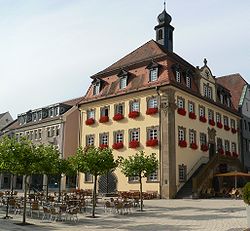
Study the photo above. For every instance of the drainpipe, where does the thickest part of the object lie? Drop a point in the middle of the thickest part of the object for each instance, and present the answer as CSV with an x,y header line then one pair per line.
x,y
160,153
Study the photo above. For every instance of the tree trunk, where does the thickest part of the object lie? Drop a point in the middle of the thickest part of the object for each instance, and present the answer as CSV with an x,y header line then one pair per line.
x,y
59,189
141,203
25,199
47,188
94,196
12,184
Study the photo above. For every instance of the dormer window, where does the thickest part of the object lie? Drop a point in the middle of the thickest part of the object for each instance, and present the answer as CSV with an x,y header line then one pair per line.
x,y
96,87
123,82
39,115
56,111
207,91
153,74
51,112
188,81
34,116
178,76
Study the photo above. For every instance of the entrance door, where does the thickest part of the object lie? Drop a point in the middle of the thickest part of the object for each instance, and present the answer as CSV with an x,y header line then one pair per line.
x,y
107,184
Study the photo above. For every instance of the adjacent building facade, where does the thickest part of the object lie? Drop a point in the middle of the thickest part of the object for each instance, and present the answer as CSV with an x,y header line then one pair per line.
x,y
5,120
154,100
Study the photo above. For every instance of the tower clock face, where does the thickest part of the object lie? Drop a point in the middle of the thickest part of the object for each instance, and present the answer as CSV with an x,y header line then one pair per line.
x,y
207,74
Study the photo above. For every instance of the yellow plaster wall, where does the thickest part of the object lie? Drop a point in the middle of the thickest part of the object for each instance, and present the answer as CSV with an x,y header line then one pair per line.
x,y
141,122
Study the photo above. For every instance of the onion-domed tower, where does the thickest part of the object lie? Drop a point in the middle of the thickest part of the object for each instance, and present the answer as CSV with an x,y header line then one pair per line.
x,y
164,31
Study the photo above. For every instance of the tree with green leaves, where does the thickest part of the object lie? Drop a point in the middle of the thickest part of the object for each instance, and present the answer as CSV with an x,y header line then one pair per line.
x,y
97,162
139,165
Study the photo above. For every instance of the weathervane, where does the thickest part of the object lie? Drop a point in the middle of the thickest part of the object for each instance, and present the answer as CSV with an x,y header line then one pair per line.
x,y
165,5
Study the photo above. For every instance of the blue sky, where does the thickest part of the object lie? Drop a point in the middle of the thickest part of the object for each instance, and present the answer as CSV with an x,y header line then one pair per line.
x,y
50,48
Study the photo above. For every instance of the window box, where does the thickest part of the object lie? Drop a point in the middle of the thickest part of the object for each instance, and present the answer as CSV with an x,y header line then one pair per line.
x,y
234,130
192,115
181,111
234,154
133,114
203,119
152,143
117,145
228,153
226,127
204,147
134,144
102,146
221,151
219,125
183,143
90,121
211,122
104,119
118,116
151,111
193,146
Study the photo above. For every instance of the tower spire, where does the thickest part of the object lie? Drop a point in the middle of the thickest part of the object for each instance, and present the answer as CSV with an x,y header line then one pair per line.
x,y
165,5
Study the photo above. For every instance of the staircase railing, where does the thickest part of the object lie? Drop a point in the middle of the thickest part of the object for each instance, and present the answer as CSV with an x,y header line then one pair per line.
x,y
202,160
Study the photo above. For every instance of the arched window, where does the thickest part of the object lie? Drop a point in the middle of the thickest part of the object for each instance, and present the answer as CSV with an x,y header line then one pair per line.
x,y
160,34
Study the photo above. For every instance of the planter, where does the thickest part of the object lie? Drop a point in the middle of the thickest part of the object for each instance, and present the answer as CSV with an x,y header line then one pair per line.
x,y
104,119
118,117
193,146
117,145
102,146
219,125
192,115
182,143
203,119
211,122
234,130
181,111
204,147
90,121
226,127
151,143
221,151
133,114
134,144
152,111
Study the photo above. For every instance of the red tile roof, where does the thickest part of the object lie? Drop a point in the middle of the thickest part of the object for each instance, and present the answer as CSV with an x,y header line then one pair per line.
x,y
234,83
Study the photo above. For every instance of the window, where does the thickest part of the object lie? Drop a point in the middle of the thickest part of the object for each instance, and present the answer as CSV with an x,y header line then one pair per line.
x,y
123,82
133,179
178,76
181,133
153,74
192,136
182,173
210,114
51,112
202,111
104,111
48,132
188,81
153,176
232,123
203,138
36,134
191,107
90,114
39,115
134,134
104,139
90,140
34,116
118,137
39,133
180,102
88,177
56,110
119,109
219,143
207,91
152,133
234,147
225,118
227,147
160,35
218,117
53,131
152,103
96,88
135,106
57,130
31,135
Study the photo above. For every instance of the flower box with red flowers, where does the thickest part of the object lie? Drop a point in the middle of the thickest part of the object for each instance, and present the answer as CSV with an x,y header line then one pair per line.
x,y
228,153
181,111
133,114
234,130
219,125
193,146
117,145
152,143
226,127
211,122
234,154
204,147
102,146
192,115
183,143
221,151
152,110
118,117
90,121
134,144
104,119
203,119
